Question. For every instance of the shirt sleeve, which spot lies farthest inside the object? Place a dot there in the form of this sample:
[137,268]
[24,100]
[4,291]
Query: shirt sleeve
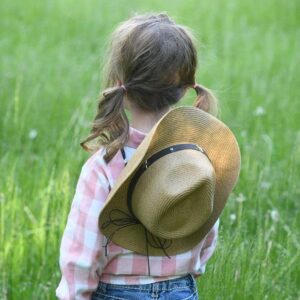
[209,246]
[81,252]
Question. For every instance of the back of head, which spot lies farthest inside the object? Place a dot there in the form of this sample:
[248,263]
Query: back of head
[155,59]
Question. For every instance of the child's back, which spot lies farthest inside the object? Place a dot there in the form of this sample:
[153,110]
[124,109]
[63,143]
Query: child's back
[151,63]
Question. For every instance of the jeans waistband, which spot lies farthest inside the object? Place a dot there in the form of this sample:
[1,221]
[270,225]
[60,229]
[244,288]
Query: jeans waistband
[187,280]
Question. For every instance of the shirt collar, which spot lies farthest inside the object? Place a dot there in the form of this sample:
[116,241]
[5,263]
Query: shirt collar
[135,137]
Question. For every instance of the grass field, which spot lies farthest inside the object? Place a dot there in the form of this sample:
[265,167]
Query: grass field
[51,56]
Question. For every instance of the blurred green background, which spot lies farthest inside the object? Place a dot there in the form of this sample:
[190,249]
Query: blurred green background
[51,56]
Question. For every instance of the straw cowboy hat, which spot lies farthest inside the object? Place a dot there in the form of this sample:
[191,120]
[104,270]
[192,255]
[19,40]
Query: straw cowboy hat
[175,186]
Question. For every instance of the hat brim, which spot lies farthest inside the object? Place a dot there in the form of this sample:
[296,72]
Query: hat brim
[181,124]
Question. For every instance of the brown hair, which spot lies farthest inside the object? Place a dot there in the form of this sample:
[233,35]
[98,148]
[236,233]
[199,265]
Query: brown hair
[155,59]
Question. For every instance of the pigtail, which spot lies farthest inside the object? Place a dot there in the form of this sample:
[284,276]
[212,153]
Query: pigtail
[206,100]
[110,125]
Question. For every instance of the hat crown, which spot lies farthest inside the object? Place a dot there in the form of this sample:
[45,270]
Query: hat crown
[174,196]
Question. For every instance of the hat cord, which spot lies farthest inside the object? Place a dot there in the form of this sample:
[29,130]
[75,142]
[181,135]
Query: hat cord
[121,223]
[124,220]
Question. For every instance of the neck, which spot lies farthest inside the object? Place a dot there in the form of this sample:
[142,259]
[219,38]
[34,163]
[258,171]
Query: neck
[144,121]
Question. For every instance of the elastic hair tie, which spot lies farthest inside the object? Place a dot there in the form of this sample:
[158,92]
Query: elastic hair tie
[122,85]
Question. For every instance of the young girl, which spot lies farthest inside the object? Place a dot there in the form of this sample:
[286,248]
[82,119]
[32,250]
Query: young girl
[151,63]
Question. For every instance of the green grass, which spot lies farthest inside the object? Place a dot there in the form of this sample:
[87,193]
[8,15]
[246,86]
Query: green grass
[51,55]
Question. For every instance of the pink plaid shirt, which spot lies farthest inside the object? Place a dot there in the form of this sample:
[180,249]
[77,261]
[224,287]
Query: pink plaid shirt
[82,256]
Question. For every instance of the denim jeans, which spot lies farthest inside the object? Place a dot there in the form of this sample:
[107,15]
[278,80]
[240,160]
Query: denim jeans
[183,288]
